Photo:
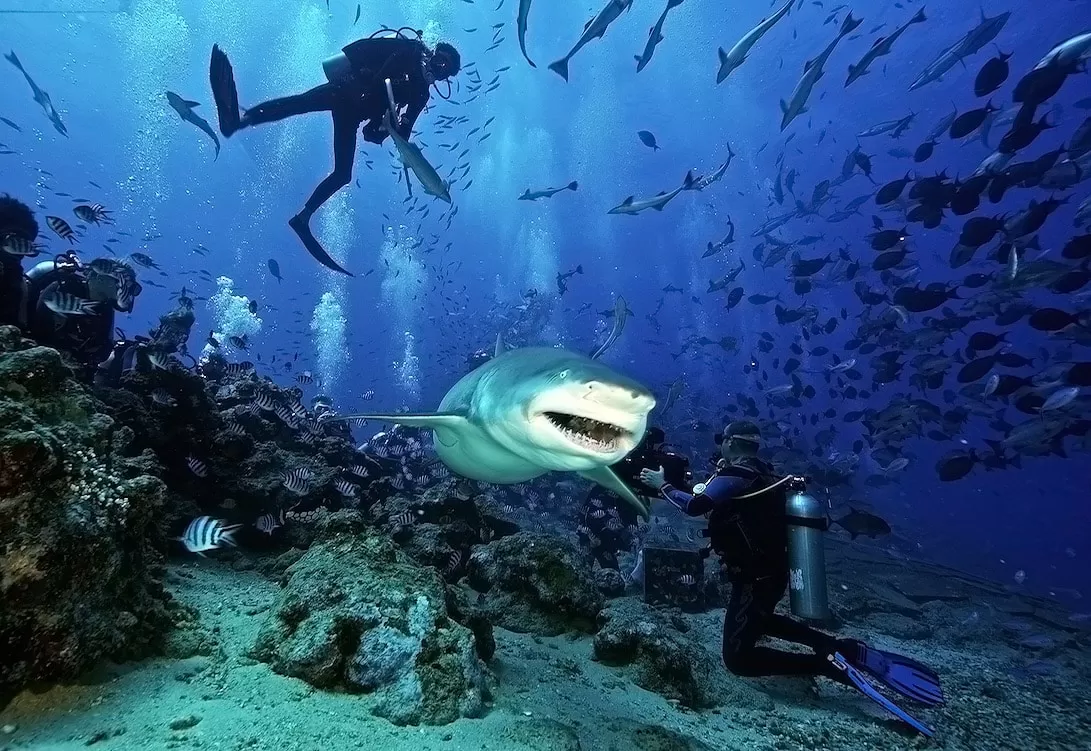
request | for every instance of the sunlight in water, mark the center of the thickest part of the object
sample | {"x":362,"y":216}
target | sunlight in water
{"x":154,"y":37}
{"x":232,"y":314}
{"x":331,"y":350}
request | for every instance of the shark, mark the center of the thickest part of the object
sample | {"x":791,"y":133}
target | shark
{"x":414,"y":160}
{"x":881,"y":47}
{"x":185,"y":108}
{"x":729,"y":61}
{"x":594,"y":29}
{"x":41,"y":97}
{"x":633,"y":206}
{"x":534,"y":195}
{"x":655,"y":36}
{"x":812,"y":71}
{"x":521,"y":27}
{"x":530,"y":411}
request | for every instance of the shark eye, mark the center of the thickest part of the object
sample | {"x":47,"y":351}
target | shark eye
{"x":562,"y":375}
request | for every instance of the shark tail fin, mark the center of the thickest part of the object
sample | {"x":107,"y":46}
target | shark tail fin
{"x":560,"y":68}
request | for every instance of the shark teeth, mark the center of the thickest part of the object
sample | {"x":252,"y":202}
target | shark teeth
{"x":587,"y":432}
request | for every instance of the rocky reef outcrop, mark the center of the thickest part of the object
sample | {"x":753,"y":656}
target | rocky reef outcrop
{"x":79,"y":532}
{"x":228,"y":439}
{"x":535,"y":583}
{"x":357,"y":615}
{"x":657,"y":656}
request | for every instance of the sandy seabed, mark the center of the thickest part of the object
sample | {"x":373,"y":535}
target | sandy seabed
{"x":550,"y":695}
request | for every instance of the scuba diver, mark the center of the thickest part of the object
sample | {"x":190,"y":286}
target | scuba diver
{"x":70,"y":306}
{"x":145,"y":353}
{"x":767,"y":539}
{"x":355,"y":94}
{"x":18,"y":231}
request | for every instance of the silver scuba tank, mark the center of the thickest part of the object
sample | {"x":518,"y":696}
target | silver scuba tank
{"x":806,"y":554}
{"x":337,"y":68}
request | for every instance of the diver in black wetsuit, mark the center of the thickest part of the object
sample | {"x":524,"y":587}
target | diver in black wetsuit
{"x":18,"y":231}
{"x":355,"y":94}
{"x":748,"y":528}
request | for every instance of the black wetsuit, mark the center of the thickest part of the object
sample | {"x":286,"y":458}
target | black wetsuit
{"x":87,"y":338}
{"x":751,"y":537}
{"x":355,"y":100}
{"x":11,"y":289}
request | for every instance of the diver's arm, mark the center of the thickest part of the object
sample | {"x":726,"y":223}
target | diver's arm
{"x":415,"y":107}
{"x":719,"y":491}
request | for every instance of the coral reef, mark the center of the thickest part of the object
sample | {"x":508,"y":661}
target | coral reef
{"x":79,"y":535}
{"x":246,"y":432}
{"x":534,"y":583}
{"x":356,"y":615}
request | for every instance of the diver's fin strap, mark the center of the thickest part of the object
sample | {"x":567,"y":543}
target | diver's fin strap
{"x":868,"y":689}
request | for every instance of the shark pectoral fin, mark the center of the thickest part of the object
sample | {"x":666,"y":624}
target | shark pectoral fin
{"x":606,"y":477}
{"x":190,"y":104}
{"x":448,"y":425}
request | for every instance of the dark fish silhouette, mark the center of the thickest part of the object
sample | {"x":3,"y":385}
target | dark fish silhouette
{"x":185,"y":111}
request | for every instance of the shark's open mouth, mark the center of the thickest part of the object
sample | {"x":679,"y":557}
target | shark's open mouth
{"x":586,"y":432}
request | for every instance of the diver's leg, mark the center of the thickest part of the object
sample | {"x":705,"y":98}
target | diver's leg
{"x":344,"y":156}
{"x":319,"y":99}
{"x":749,"y":616}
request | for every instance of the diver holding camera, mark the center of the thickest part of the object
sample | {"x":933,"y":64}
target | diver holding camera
{"x":607,"y":525}
{"x":769,"y":535}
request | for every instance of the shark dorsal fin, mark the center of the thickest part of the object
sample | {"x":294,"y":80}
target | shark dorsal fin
{"x":500,"y":348}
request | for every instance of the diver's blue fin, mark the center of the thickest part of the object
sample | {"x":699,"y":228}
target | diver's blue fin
{"x":905,"y":675}
{"x":865,"y":687}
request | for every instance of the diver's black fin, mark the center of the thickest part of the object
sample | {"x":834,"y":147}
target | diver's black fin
{"x":299,"y":226}
{"x":222,"y":78}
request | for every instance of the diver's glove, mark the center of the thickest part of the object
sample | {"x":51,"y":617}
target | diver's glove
{"x":653,"y":478}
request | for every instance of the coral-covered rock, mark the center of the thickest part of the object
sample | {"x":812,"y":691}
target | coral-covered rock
{"x":356,"y":615}
{"x":535,"y":583}
{"x":610,"y":582}
{"x":656,"y":656}
{"x":79,"y":527}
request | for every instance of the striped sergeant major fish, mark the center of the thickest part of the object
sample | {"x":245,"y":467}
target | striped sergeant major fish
{"x":206,"y":533}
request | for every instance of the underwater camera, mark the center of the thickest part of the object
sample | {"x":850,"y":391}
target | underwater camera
{"x":651,"y":454}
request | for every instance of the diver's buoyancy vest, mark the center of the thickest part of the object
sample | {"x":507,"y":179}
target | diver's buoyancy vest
{"x":751,"y":533}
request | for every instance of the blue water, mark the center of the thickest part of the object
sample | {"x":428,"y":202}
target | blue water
{"x":405,"y":330}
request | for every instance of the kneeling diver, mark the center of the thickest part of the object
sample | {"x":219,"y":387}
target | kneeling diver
{"x":768,"y":539}
{"x":355,"y":93}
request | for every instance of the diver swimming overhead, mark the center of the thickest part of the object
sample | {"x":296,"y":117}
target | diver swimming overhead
{"x":355,"y":94}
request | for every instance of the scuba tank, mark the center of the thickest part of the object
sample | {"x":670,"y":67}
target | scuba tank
{"x":806,"y":553}
{"x":337,"y":68}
